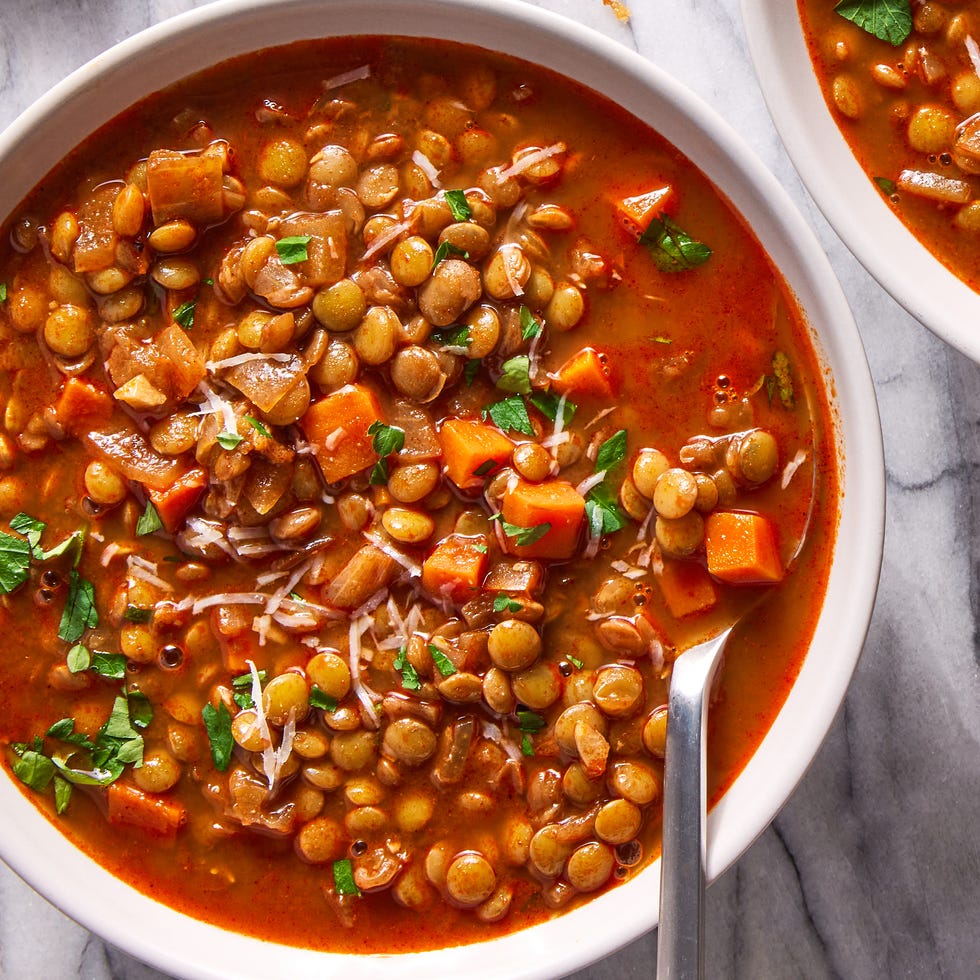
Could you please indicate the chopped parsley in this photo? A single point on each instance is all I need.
(386, 439)
(504, 603)
(575, 662)
(110, 665)
(458, 205)
(530, 327)
(602, 512)
(79, 613)
(184, 314)
(343, 878)
(887, 20)
(515, 375)
(547, 404)
(454, 339)
(672, 248)
(442, 663)
(486, 467)
(217, 723)
(15, 562)
(611, 452)
(32, 529)
(293, 249)
(410, 677)
(471, 369)
(242, 685)
(529, 723)
(258, 426)
(444, 250)
(78, 658)
(134, 614)
(149, 521)
(228, 440)
(886, 185)
(320, 699)
(510, 415)
(3, 292)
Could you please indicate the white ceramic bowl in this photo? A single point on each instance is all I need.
(849, 200)
(151, 60)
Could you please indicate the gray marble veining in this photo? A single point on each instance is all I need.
(872, 870)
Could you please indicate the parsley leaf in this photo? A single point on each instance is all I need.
(530, 721)
(62, 794)
(110, 665)
(3, 292)
(79, 613)
(530, 327)
(343, 878)
(602, 512)
(78, 658)
(523, 535)
(140, 709)
(887, 20)
(611, 452)
(453, 339)
(15, 562)
(31, 528)
(149, 521)
(887, 187)
(509, 414)
(217, 723)
(64, 729)
(673, 250)
(184, 314)
(74, 540)
(504, 603)
(320, 699)
(293, 249)
(34, 769)
(471, 369)
(134, 614)
(442, 663)
(228, 440)
(386, 439)
(444, 250)
(410, 677)
(258, 426)
(458, 205)
(527, 746)
(516, 375)
(547, 404)
(575, 662)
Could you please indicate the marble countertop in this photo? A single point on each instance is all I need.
(873, 867)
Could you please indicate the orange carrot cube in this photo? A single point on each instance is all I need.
(472, 450)
(456, 567)
(584, 373)
(687, 588)
(129, 805)
(637, 212)
(741, 548)
(173, 503)
(82, 406)
(337, 427)
(532, 505)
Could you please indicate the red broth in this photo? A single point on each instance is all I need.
(298, 361)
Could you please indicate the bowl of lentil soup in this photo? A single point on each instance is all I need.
(877, 117)
(368, 463)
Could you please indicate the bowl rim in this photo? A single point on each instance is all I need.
(169, 50)
(841, 189)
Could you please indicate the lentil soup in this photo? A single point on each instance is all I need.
(375, 436)
(905, 93)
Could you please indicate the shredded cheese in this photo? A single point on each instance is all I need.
(230, 362)
(216, 405)
(427, 167)
(528, 161)
(591, 481)
(365, 695)
(386, 237)
(229, 599)
(147, 571)
(789, 470)
(409, 564)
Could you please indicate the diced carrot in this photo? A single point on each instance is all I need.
(637, 212)
(82, 406)
(337, 427)
(686, 587)
(741, 548)
(471, 450)
(173, 502)
(584, 373)
(554, 502)
(129, 805)
(455, 567)
(184, 185)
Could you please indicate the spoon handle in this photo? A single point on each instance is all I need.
(680, 938)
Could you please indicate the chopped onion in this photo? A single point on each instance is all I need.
(345, 78)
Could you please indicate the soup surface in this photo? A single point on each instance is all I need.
(381, 418)
(907, 100)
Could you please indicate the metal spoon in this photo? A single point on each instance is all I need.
(680, 938)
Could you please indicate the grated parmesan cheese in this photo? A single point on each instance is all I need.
(526, 162)
(427, 167)
(345, 78)
(789, 470)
